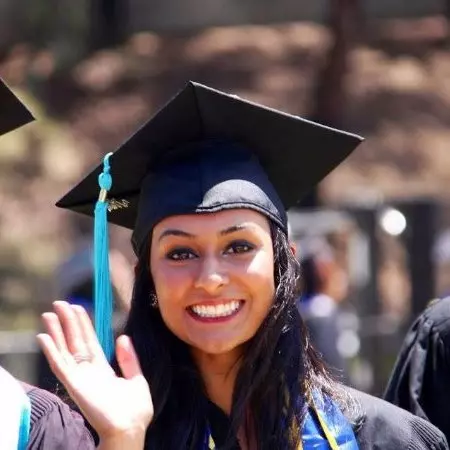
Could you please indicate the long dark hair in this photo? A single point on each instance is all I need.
(277, 375)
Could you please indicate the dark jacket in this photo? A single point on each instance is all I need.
(54, 426)
(378, 426)
(383, 426)
(420, 381)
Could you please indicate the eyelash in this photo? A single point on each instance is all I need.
(175, 255)
(243, 245)
(179, 254)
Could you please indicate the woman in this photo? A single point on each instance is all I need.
(214, 353)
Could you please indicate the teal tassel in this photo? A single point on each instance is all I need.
(103, 297)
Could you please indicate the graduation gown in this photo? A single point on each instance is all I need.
(54, 426)
(420, 381)
(381, 425)
(377, 425)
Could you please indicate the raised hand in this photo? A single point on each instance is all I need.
(112, 405)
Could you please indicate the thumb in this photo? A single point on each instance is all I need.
(127, 358)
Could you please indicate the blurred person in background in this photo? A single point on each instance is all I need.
(324, 286)
(74, 283)
(420, 380)
(32, 418)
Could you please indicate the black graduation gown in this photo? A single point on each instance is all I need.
(378, 426)
(381, 425)
(420, 381)
(54, 426)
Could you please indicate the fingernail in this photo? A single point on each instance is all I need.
(59, 303)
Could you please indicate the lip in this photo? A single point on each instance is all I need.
(222, 319)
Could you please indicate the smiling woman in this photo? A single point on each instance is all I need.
(214, 277)
(214, 352)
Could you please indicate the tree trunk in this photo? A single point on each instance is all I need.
(330, 92)
(108, 23)
(330, 89)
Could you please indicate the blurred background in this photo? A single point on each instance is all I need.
(92, 71)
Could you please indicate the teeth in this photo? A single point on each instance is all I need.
(221, 310)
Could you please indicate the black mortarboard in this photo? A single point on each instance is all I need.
(205, 151)
(13, 113)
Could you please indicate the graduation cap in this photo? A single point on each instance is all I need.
(206, 151)
(13, 113)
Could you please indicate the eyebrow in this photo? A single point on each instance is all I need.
(176, 232)
(233, 229)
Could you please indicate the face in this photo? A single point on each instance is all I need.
(213, 275)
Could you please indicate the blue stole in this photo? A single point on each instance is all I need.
(325, 428)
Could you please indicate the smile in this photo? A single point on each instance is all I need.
(218, 311)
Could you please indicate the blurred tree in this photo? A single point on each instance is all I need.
(329, 95)
(330, 92)
(108, 23)
(447, 16)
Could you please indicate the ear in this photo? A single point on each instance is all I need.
(293, 247)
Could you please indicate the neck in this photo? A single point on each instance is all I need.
(219, 374)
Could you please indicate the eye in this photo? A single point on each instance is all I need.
(181, 254)
(239, 247)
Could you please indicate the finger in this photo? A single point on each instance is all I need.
(127, 358)
(88, 333)
(57, 363)
(55, 359)
(72, 330)
(55, 331)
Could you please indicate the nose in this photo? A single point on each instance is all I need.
(211, 276)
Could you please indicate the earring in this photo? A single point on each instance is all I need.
(153, 300)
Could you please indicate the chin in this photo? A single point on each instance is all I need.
(217, 347)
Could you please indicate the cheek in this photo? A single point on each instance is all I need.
(171, 288)
(259, 276)
(171, 284)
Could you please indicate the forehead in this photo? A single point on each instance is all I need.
(214, 222)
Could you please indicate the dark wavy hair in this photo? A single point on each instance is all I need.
(278, 372)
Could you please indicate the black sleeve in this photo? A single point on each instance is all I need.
(54, 426)
(407, 379)
(385, 426)
(420, 380)
(426, 436)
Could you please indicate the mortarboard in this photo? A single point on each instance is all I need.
(13, 113)
(201, 138)
(206, 151)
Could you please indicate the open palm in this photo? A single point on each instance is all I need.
(110, 403)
